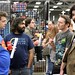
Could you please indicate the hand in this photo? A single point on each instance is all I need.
(50, 40)
(36, 43)
(9, 72)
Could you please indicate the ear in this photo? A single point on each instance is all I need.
(68, 25)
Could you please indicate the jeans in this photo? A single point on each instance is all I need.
(50, 66)
(22, 71)
(31, 70)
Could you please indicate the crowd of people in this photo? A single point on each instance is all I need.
(31, 41)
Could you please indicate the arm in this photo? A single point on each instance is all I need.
(31, 55)
(63, 64)
(51, 42)
(62, 68)
(44, 44)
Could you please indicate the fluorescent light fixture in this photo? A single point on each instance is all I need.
(67, 9)
(16, 2)
(51, 9)
(55, 6)
(4, 1)
(38, 2)
(35, 9)
(59, 3)
(36, 6)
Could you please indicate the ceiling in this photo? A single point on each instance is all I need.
(66, 4)
(31, 3)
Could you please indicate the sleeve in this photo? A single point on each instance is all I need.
(69, 37)
(30, 43)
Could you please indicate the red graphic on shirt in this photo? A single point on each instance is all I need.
(9, 46)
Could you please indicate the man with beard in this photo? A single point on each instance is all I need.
(72, 16)
(24, 52)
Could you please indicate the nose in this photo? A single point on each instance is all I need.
(24, 25)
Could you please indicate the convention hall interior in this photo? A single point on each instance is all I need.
(40, 10)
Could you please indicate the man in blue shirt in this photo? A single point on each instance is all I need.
(24, 52)
(4, 54)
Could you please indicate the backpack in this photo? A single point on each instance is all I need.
(69, 58)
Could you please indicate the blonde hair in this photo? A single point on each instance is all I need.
(52, 33)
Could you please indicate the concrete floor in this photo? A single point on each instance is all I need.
(43, 73)
(39, 73)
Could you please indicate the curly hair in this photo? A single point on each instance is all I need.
(15, 23)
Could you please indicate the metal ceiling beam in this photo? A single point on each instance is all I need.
(42, 10)
(37, 0)
(30, 0)
(51, 5)
(68, 0)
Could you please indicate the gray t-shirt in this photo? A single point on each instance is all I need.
(62, 41)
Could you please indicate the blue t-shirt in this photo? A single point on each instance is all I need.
(4, 59)
(24, 44)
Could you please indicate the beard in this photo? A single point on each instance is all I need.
(20, 30)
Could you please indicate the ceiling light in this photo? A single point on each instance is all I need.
(36, 6)
(38, 2)
(51, 9)
(16, 2)
(55, 6)
(35, 9)
(4, 1)
(67, 9)
(59, 3)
